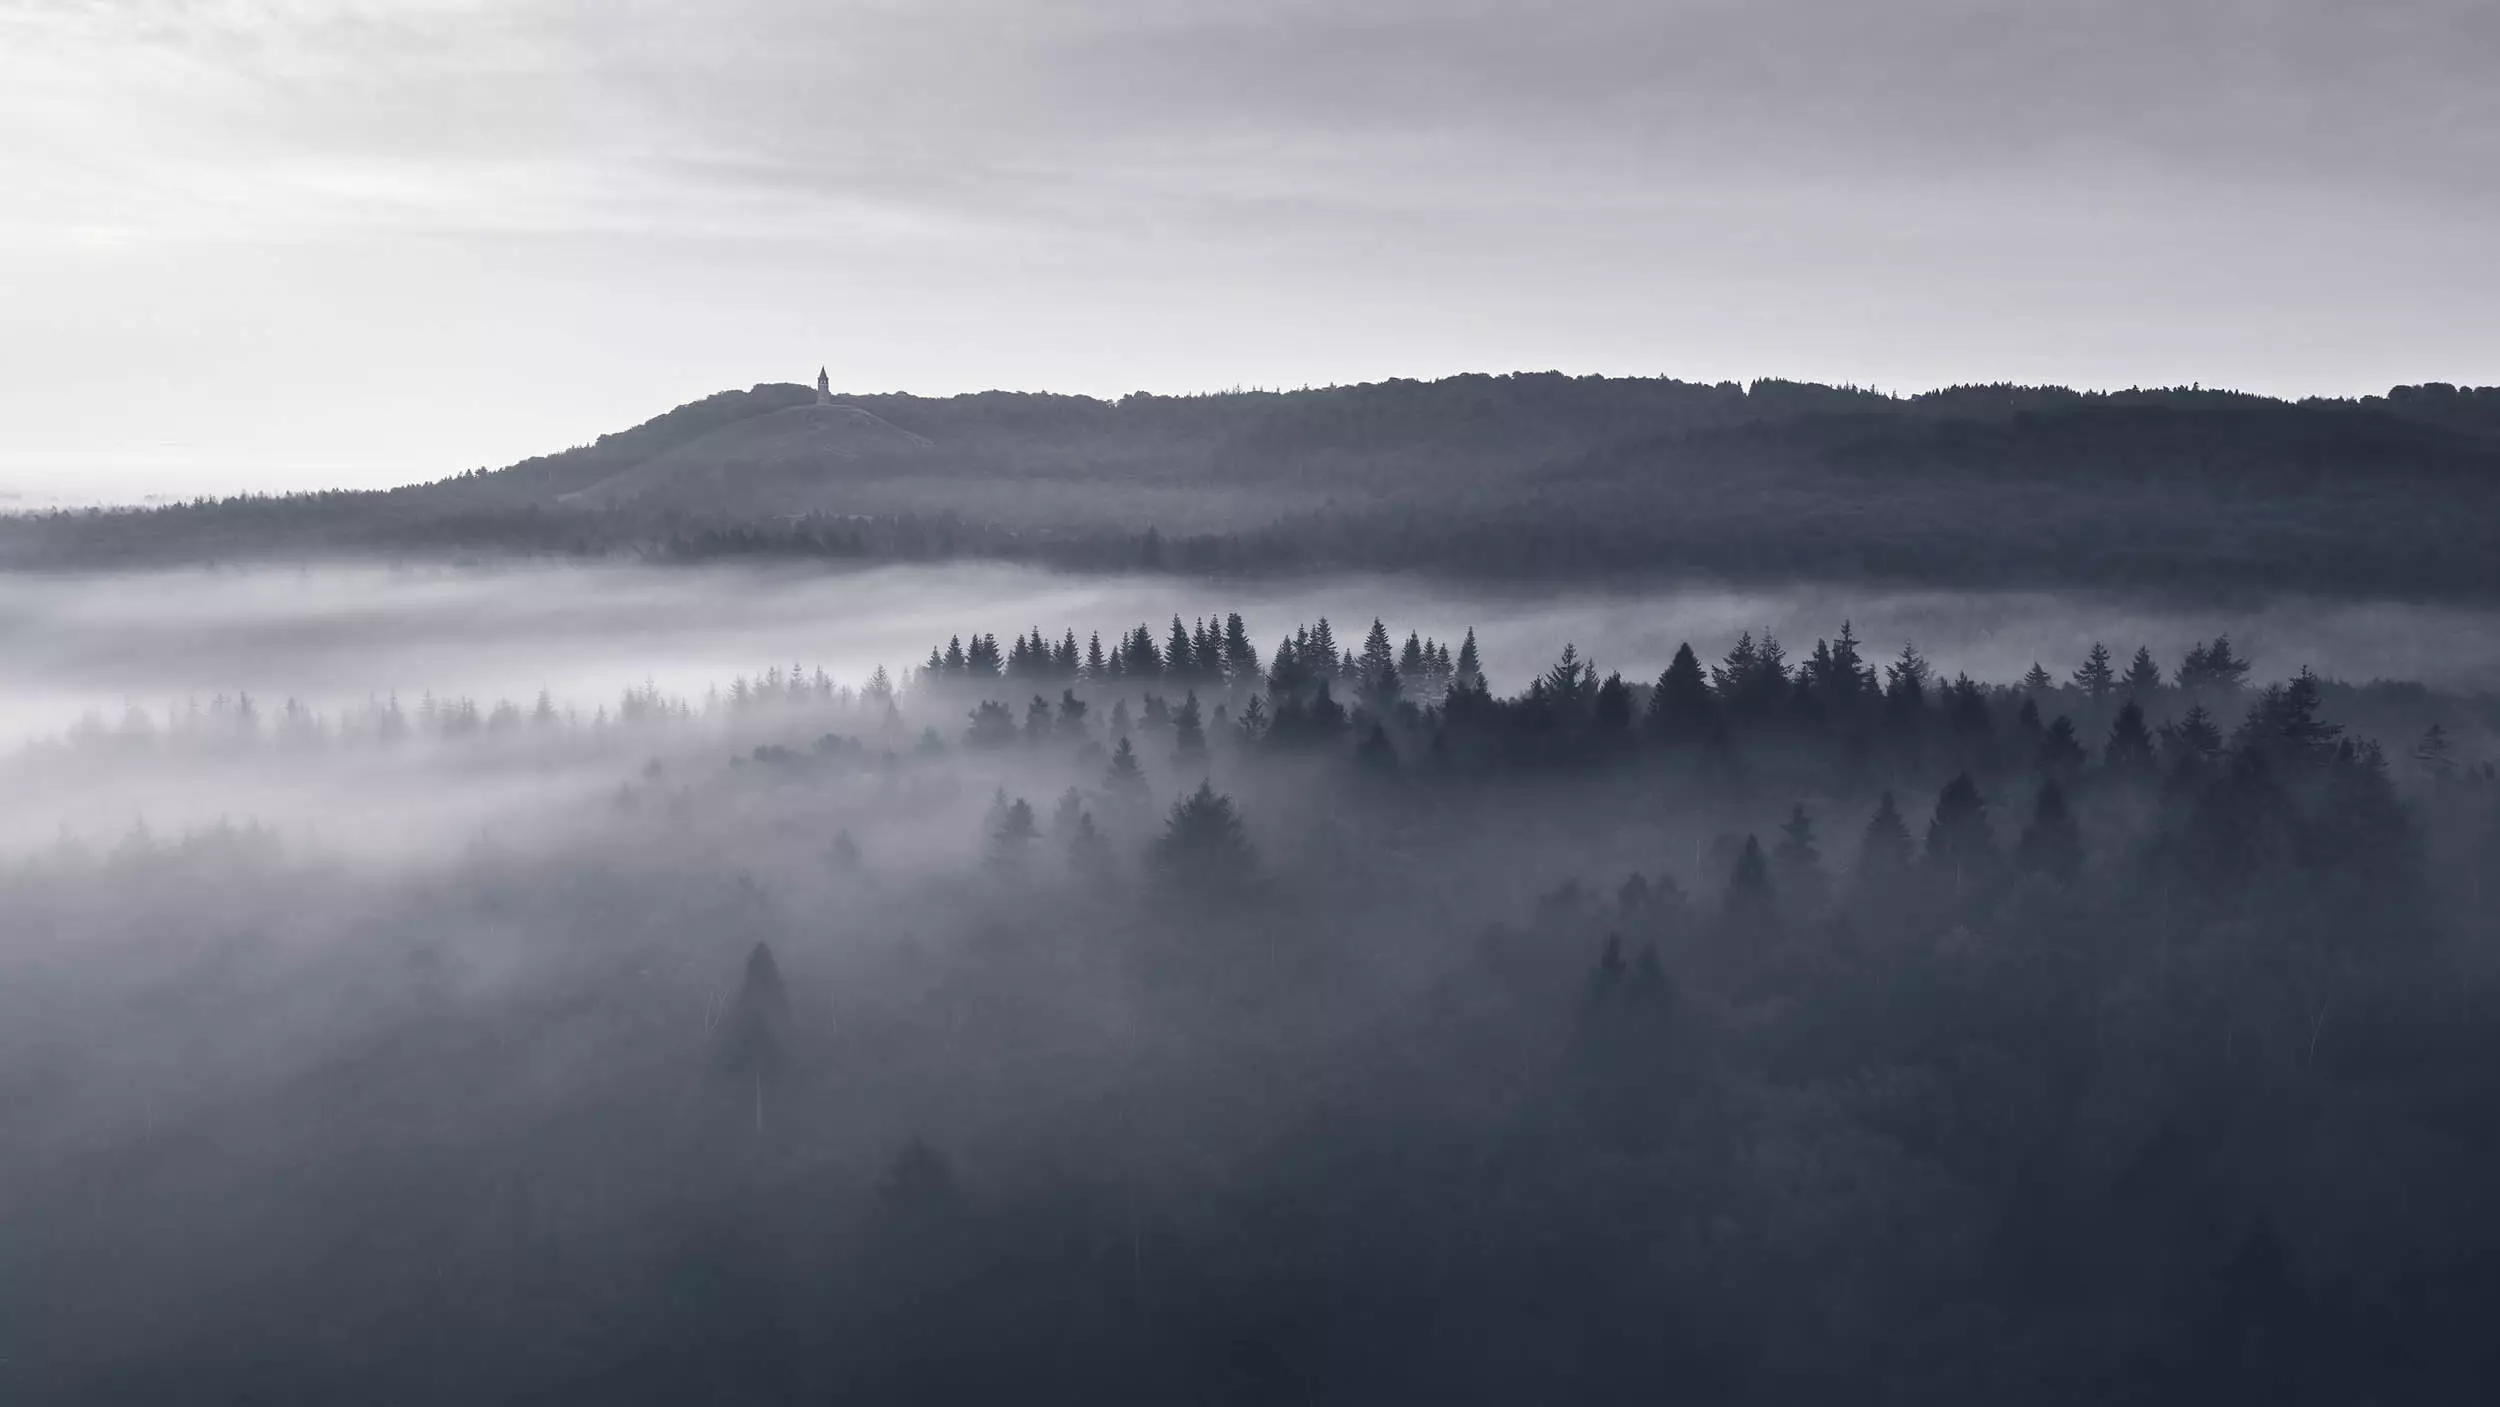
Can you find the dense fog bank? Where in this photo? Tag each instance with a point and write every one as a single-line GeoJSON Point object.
{"type": "Point", "coordinates": [338, 636]}
{"type": "Point", "coordinates": [1147, 1011]}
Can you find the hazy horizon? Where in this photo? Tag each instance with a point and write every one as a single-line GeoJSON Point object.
{"type": "Point", "coordinates": [275, 245]}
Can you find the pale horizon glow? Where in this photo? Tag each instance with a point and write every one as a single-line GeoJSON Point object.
{"type": "Point", "coordinates": [280, 244]}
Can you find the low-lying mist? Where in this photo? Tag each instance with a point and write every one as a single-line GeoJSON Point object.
{"type": "Point", "coordinates": [590, 984]}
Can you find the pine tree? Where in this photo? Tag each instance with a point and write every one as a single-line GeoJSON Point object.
{"type": "Point", "coordinates": [2143, 677]}
{"type": "Point", "coordinates": [1071, 716]}
{"type": "Point", "coordinates": [2036, 680]}
{"type": "Point", "coordinates": [1884, 852]}
{"type": "Point", "coordinates": [1957, 835]}
{"type": "Point", "coordinates": [1189, 737]}
{"type": "Point", "coordinates": [2129, 752]}
{"type": "Point", "coordinates": [1797, 863]}
{"type": "Point", "coordinates": [1412, 666]}
{"type": "Point", "coordinates": [1377, 672]}
{"type": "Point", "coordinates": [2195, 737]}
{"type": "Point", "coordinates": [1206, 654]}
{"type": "Point", "coordinates": [1319, 653]}
{"type": "Point", "coordinates": [1094, 666]}
{"type": "Point", "coordinates": [1610, 715]}
{"type": "Point", "coordinates": [1012, 837]}
{"type": "Point", "coordinates": [1375, 756]}
{"type": "Point", "coordinates": [1468, 673]}
{"type": "Point", "coordinates": [1748, 901]}
{"type": "Point", "coordinates": [2059, 754]}
{"type": "Point", "coordinates": [1124, 778]}
{"type": "Point", "coordinates": [751, 1041]}
{"type": "Point", "coordinates": [1253, 722]}
{"type": "Point", "coordinates": [1905, 679]}
{"type": "Point", "coordinates": [1681, 707]}
{"type": "Point", "coordinates": [1731, 677]}
{"type": "Point", "coordinates": [1241, 658]}
{"type": "Point", "coordinates": [1852, 677]}
{"type": "Point", "coordinates": [1089, 854]}
{"type": "Point", "coordinates": [2051, 845]}
{"type": "Point", "coordinates": [1203, 847]}
{"type": "Point", "coordinates": [1180, 657]}
{"type": "Point", "coordinates": [2434, 752]}
{"type": "Point", "coordinates": [2096, 678]}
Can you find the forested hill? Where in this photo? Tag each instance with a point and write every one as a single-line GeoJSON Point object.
{"type": "Point", "coordinates": [1532, 474]}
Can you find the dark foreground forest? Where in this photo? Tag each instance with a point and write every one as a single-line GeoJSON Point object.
{"type": "Point", "coordinates": [1163, 1019]}
{"type": "Point", "coordinates": [1537, 477]}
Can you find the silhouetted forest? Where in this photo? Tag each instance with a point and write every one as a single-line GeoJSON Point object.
{"type": "Point", "coordinates": [1533, 476]}
{"type": "Point", "coordinates": [1168, 1015]}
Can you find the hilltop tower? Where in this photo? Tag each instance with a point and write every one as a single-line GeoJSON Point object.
{"type": "Point", "coordinates": [824, 388]}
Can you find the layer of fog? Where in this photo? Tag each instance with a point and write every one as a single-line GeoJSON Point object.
{"type": "Point", "coordinates": [146, 651]}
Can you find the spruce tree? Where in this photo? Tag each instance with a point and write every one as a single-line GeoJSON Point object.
{"type": "Point", "coordinates": [1958, 842]}
{"type": "Point", "coordinates": [1468, 673]}
{"type": "Point", "coordinates": [2143, 677]}
{"type": "Point", "coordinates": [2059, 754]}
{"type": "Point", "coordinates": [2096, 678]}
{"type": "Point", "coordinates": [2036, 680]}
{"type": "Point", "coordinates": [1884, 851]}
{"type": "Point", "coordinates": [1681, 707]}
{"type": "Point", "coordinates": [1124, 778]}
{"type": "Point", "coordinates": [1375, 756]}
{"type": "Point", "coordinates": [1748, 902]}
{"type": "Point", "coordinates": [1189, 737]}
{"type": "Point", "coordinates": [1203, 847]}
{"type": "Point", "coordinates": [1180, 656]}
{"type": "Point", "coordinates": [1012, 836]}
{"type": "Point", "coordinates": [2052, 845]}
{"type": "Point", "coordinates": [2129, 753]}
{"type": "Point", "coordinates": [1797, 863]}
{"type": "Point", "coordinates": [1089, 853]}
{"type": "Point", "coordinates": [751, 1041]}
{"type": "Point", "coordinates": [1241, 658]}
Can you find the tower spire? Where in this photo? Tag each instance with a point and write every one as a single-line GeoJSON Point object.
{"type": "Point", "coordinates": [824, 387]}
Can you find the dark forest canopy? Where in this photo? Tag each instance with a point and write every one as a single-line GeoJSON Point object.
{"type": "Point", "coordinates": [1168, 1016]}
{"type": "Point", "coordinates": [1541, 476]}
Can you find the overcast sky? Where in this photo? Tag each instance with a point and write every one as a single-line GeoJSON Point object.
{"type": "Point", "coordinates": [277, 242]}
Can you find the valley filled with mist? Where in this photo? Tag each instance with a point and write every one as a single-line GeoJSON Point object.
{"type": "Point", "coordinates": [539, 980]}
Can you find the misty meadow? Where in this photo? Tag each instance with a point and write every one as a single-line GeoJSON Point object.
{"type": "Point", "coordinates": [954, 984]}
